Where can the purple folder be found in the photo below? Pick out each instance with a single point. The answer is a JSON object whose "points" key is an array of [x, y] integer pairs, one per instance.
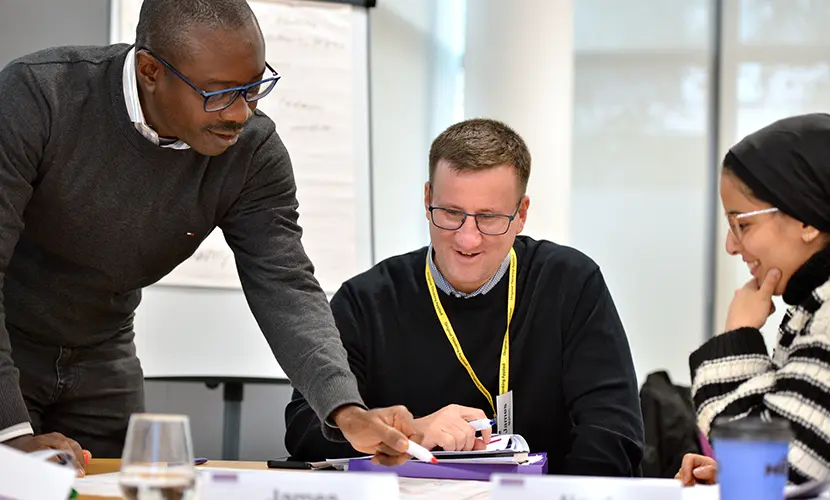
{"points": [[449, 470]]}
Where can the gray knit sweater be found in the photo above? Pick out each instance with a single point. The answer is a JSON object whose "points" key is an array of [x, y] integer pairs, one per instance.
{"points": [[91, 212]]}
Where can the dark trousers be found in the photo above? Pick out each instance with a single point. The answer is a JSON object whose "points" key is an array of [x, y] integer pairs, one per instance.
{"points": [[84, 393]]}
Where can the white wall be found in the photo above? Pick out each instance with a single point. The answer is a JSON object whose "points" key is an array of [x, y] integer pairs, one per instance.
{"points": [[414, 81], [641, 178], [519, 69]]}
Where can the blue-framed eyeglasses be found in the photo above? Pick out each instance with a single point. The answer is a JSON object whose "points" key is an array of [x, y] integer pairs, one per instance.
{"points": [[222, 99]]}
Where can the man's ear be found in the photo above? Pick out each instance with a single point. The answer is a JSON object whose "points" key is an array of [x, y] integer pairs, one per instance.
{"points": [[427, 196], [521, 215], [148, 70]]}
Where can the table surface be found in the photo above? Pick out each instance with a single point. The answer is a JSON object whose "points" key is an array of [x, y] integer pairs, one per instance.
{"points": [[103, 466]]}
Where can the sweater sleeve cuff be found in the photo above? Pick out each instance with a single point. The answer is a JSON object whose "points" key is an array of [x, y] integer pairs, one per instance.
{"points": [[12, 409], [744, 340], [328, 397]]}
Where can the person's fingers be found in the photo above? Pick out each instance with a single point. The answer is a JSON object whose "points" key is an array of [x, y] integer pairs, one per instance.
{"points": [[686, 467], [465, 435], [447, 441], [389, 461], [770, 283], [705, 474], [390, 436], [386, 450], [79, 453], [697, 469], [487, 434], [469, 413], [400, 426], [58, 441], [479, 445], [429, 441], [388, 456]]}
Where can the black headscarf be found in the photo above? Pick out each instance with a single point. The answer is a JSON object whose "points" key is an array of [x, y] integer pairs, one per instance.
{"points": [[787, 164]]}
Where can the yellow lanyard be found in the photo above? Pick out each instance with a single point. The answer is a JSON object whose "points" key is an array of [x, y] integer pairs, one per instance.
{"points": [[504, 363]]}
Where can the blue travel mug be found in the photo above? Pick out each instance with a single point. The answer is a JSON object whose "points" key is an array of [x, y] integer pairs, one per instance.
{"points": [[752, 458]]}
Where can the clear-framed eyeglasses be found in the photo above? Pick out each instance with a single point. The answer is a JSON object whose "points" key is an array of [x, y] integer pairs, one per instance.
{"points": [[489, 224], [736, 227]]}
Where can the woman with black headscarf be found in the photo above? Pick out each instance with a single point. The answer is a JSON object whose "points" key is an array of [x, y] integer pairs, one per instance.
{"points": [[775, 191]]}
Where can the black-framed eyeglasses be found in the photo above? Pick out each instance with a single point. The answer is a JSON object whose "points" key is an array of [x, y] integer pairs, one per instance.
{"points": [[222, 99], [489, 224]]}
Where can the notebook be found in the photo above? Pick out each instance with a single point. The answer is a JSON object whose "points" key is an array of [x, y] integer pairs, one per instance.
{"points": [[480, 468], [502, 449], [505, 454]]}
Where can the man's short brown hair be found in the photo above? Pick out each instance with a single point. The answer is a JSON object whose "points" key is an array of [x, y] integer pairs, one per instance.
{"points": [[480, 144]]}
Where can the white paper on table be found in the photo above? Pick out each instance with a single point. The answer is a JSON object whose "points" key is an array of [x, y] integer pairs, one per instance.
{"points": [[17, 470], [701, 492], [101, 485], [442, 489]]}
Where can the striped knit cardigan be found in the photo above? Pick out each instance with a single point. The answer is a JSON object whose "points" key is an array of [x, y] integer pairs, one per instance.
{"points": [[733, 376]]}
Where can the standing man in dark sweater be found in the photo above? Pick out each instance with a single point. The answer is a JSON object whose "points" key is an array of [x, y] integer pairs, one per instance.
{"points": [[427, 329], [115, 163]]}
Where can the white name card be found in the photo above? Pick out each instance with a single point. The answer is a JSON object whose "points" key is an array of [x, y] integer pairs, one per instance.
{"points": [[311, 485], [25, 477], [510, 487]]}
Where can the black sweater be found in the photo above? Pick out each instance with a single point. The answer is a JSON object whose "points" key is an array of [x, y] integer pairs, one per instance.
{"points": [[571, 372]]}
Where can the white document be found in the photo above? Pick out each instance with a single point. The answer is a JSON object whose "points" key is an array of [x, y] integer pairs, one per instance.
{"points": [[26, 477], [412, 488], [701, 492], [511, 487], [100, 485], [511, 442]]}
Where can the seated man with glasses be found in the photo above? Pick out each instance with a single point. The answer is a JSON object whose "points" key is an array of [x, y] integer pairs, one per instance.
{"points": [[115, 164], [455, 329]]}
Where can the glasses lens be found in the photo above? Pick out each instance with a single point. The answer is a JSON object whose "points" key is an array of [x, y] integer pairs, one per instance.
{"points": [[258, 92], [447, 219], [734, 226], [218, 102], [493, 225]]}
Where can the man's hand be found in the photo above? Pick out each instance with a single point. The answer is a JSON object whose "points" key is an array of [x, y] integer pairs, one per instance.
{"points": [[449, 429], [697, 469], [752, 304], [382, 432], [53, 441]]}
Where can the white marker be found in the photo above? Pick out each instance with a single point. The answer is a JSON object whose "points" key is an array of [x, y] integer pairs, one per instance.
{"points": [[481, 424], [420, 453]]}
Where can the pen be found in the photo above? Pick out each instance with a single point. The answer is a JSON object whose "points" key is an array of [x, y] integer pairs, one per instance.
{"points": [[481, 424], [420, 453]]}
